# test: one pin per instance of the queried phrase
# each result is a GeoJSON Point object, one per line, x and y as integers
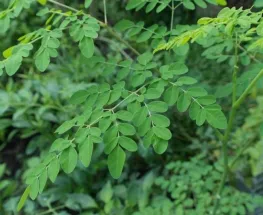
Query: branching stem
{"type": "Point", "coordinates": [235, 105]}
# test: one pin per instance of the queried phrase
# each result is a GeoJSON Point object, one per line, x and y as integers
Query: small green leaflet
{"type": "Point", "coordinates": [87, 3]}
{"type": "Point", "coordinates": [171, 95]}
{"type": "Point", "coordinates": [116, 161]}
{"type": "Point", "coordinates": [87, 47]}
{"type": "Point", "coordinates": [79, 97]}
{"type": "Point", "coordinates": [68, 160]}
{"type": "Point", "coordinates": [42, 181]}
{"type": "Point", "coordinates": [43, 2]}
{"type": "Point", "coordinates": [128, 144]}
{"type": "Point", "coordinates": [34, 189]}
{"type": "Point", "coordinates": [126, 129]}
{"type": "Point", "coordinates": [23, 199]}
{"type": "Point", "coordinates": [53, 169]}
{"type": "Point", "coordinates": [123, 25]}
{"type": "Point", "coordinates": [42, 60]}
{"type": "Point", "coordinates": [183, 102]}
{"type": "Point", "coordinates": [163, 133]}
{"type": "Point", "coordinates": [106, 193]}
{"type": "Point", "coordinates": [85, 152]}
{"type": "Point", "coordinates": [160, 146]}
{"type": "Point", "coordinates": [216, 118]}
{"type": "Point", "coordinates": [65, 126]}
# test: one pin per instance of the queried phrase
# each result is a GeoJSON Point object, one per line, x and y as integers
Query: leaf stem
{"type": "Point", "coordinates": [173, 8]}
{"type": "Point", "coordinates": [105, 12]}
{"type": "Point", "coordinates": [248, 89]}
{"type": "Point", "coordinates": [225, 138]}
{"type": "Point", "coordinates": [172, 16]}
{"type": "Point", "coordinates": [63, 5]}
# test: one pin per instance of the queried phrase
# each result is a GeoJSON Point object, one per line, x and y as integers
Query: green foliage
{"type": "Point", "coordinates": [122, 100]}
{"type": "Point", "coordinates": [159, 6]}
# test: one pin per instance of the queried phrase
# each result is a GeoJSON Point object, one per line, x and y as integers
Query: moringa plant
{"type": "Point", "coordinates": [128, 102]}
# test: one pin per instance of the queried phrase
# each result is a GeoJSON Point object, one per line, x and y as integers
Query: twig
{"type": "Point", "coordinates": [105, 12]}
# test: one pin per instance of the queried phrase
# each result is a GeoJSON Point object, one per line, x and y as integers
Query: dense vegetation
{"type": "Point", "coordinates": [131, 107]}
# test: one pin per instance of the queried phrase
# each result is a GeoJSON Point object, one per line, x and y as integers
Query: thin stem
{"type": "Point", "coordinates": [225, 157]}
{"type": "Point", "coordinates": [248, 89]}
{"type": "Point", "coordinates": [234, 78]}
{"type": "Point", "coordinates": [63, 5]}
{"type": "Point", "coordinates": [105, 12]}
{"type": "Point", "coordinates": [51, 210]}
{"type": "Point", "coordinates": [239, 154]}
{"type": "Point", "coordinates": [251, 56]}
{"type": "Point", "coordinates": [173, 8]}
{"type": "Point", "coordinates": [219, 135]}
{"type": "Point", "coordinates": [228, 131]}
{"type": "Point", "coordinates": [172, 16]}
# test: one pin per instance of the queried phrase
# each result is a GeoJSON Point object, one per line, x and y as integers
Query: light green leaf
{"type": "Point", "coordinates": [158, 106]}
{"type": "Point", "coordinates": [188, 4]}
{"type": "Point", "coordinates": [163, 133]}
{"type": "Point", "coordinates": [126, 129]}
{"type": "Point", "coordinates": [124, 115]}
{"type": "Point", "coordinates": [87, 47]}
{"type": "Point", "coordinates": [53, 169]}
{"type": "Point", "coordinates": [201, 3]}
{"type": "Point", "coordinates": [42, 60]}
{"type": "Point", "coordinates": [104, 124]}
{"type": "Point", "coordinates": [201, 117]}
{"type": "Point", "coordinates": [194, 110]}
{"type": "Point", "coordinates": [140, 116]}
{"type": "Point", "coordinates": [87, 3]}
{"type": "Point", "coordinates": [43, 2]}
{"type": "Point", "coordinates": [187, 80]}
{"type": "Point", "coordinates": [178, 68]}
{"type": "Point", "coordinates": [197, 91]}
{"type": "Point", "coordinates": [183, 102]}
{"type": "Point", "coordinates": [42, 180]}
{"type": "Point", "coordinates": [160, 120]}
{"type": "Point", "coordinates": [145, 58]}
{"type": "Point", "coordinates": [171, 95]}
{"type": "Point", "coordinates": [160, 146]}
{"type": "Point", "coordinates": [68, 160]}
{"type": "Point", "coordinates": [145, 127]}
{"type": "Point", "coordinates": [132, 4]}
{"type": "Point", "coordinates": [85, 152]}
{"type": "Point", "coordinates": [143, 37]}
{"type": "Point", "coordinates": [65, 126]}
{"type": "Point", "coordinates": [161, 7]}
{"type": "Point", "coordinates": [111, 145]}
{"type": "Point", "coordinates": [128, 144]}
{"type": "Point", "coordinates": [116, 161]}
{"type": "Point", "coordinates": [59, 145]}
{"type": "Point", "coordinates": [12, 64]}
{"type": "Point", "coordinates": [153, 93]}
{"type": "Point", "coordinates": [106, 193]}
{"type": "Point", "coordinates": [123, 25]}
{"type": "Point", "coordinates": [23, 199]}
{"type": "Point", "coordinates": [34, 188]}
{"type": "Point", "coordinates": [207, 100]}
{"type": "Point", "coordinates": [216, 118]}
